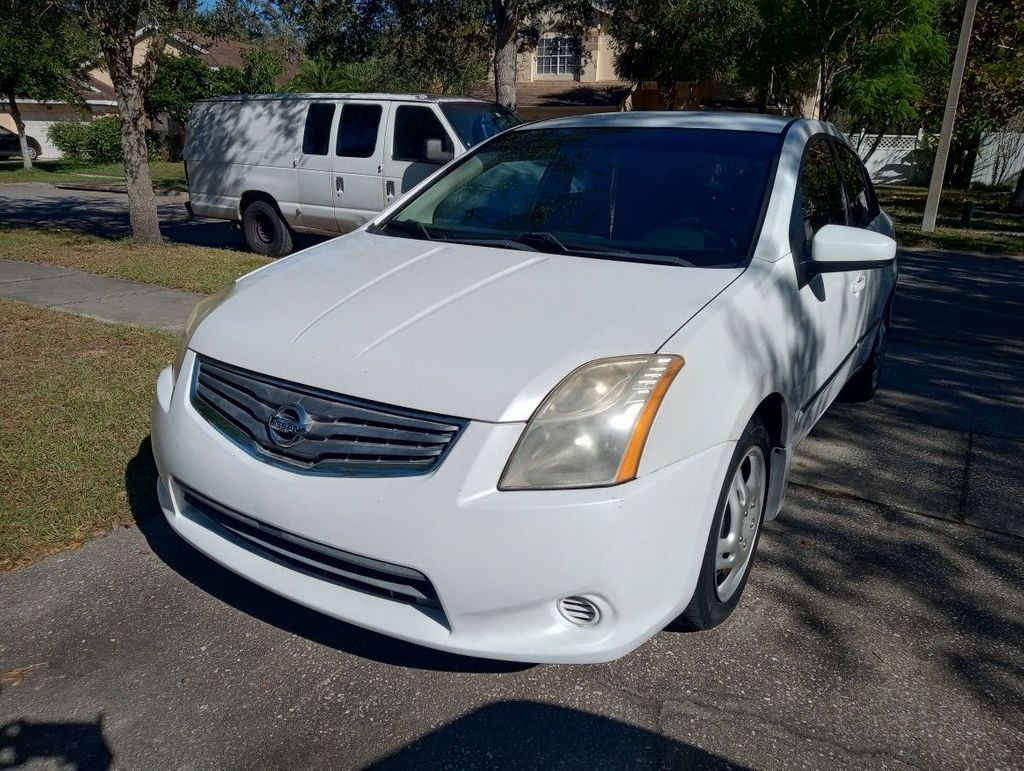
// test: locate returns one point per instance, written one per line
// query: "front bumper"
(499, 560)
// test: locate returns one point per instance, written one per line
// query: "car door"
(863, 211)
(9, 143)
(411, 125)
(314, 168)
(358, 163)
(829, 304)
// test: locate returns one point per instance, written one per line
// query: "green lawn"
(988, 232)
(76, 397)
(179, 266)
(166, 175)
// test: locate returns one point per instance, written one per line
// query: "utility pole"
(931, 208)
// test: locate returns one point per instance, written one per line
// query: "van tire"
(265, 230)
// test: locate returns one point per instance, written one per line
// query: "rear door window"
(357, 132)
(414, 125)
(859, 200)
(316, 137)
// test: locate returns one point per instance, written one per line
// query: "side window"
(859, 200)
(414, 125)
(821, 192)
(316, 137)
(357, 133)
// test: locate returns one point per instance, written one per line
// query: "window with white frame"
(557, 56)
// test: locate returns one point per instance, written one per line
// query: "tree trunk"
(505, 23)
(1017, 201)
(130, 88)
(20, 124)
(667, 89)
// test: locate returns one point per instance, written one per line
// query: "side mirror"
(837, 248)
(434, 152)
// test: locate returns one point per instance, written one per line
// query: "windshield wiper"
(406, 228)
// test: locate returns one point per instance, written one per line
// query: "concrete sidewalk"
(99, 297)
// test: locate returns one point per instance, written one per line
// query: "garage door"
(38, 129)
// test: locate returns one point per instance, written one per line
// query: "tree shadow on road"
(195, 567)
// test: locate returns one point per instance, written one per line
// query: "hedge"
(97, 141)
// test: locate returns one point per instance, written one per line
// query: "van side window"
(859, 200)
(821, 192)
(357, 133)
(316, 137)
(414, 125)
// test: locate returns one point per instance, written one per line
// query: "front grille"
(343, 436)
(364, 574)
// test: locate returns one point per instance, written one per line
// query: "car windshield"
(680, 196)
(476, 121)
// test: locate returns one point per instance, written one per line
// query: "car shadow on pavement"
(529, 735)
(200, 570)
(68, 745)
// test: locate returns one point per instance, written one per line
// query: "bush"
(97, 141)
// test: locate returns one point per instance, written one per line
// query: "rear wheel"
(863, 384)
(33, 152)
(265, 230)
(735, 532)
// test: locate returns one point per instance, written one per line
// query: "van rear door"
(358, 163)
(314, 168)
(405, 165)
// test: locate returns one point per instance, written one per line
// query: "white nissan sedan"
(540, 408)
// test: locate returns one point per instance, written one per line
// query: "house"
(559, 76)
(97, 90)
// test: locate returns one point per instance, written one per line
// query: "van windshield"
(678, 196)
(476, 121)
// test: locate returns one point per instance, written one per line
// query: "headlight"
(591, 429)
(203, 309)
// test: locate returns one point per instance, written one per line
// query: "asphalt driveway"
(882, 627)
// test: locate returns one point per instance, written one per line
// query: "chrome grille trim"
(346, 436)
(373, 576)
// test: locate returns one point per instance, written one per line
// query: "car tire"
(265, 230)
(736, 527)
(863, 384)
(33, 152)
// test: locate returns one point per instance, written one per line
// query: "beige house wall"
(598, 62)
(142, 47)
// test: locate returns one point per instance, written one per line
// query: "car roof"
(732, 121)
(429, 98)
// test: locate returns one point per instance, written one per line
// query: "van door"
(314, 170)
(358, 164)
(405, 165)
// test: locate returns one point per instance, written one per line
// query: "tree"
(322, 75)
(41, 55)
(515, 24)
(116, 22)
(992, 93)
(676, 40)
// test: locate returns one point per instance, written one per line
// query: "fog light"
(579, 611)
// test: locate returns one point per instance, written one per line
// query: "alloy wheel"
(740, 522)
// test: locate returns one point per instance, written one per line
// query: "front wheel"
(265, 230)
(33, 153)
(735, 532)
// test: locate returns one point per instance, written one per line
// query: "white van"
(322, 163)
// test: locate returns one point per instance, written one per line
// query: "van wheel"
(265, 231)
(735, 532)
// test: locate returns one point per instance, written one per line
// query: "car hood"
(473, 332)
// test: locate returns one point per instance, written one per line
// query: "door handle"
(339, 184)
(860, 283)
(389, 189)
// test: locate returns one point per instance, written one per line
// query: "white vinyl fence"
(906, 159)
